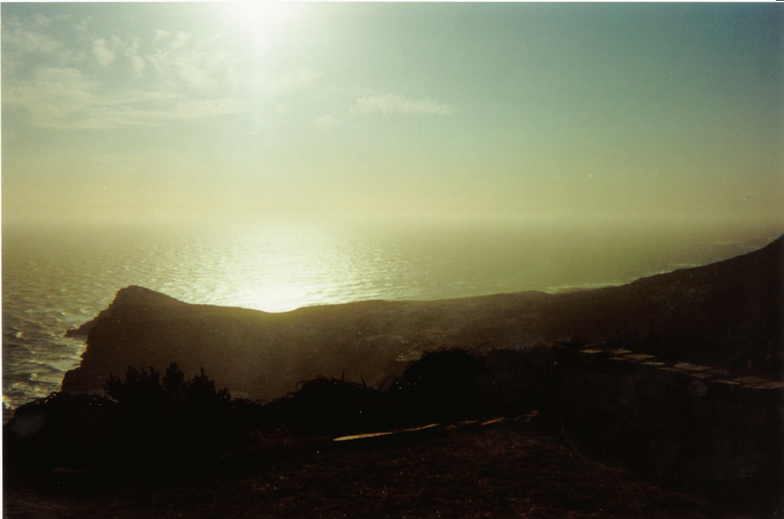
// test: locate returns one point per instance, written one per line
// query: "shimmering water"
(60, 277)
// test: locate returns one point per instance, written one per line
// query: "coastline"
(729, 313)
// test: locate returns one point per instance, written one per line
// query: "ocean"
(58, 277)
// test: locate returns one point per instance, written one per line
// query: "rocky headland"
(729, 315)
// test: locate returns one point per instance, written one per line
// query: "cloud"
(391, 103)
(185, 62)
(102, 53)
(52, 96)
(194, 75)
(161, 36)
(64, 77)
(137, 62)
(62, 98)
(19, 42)
(129, 109)
(181, 41)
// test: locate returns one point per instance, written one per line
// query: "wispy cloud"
(181, 62)
(391, 103)
(52, 96)
(137, 62)
(58, 84)
(104, 55)
(65, 99)
(30, 41)
(80, 79)
(21, 43)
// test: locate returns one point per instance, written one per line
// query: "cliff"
(728, 314)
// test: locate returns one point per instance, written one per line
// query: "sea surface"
(58, 277)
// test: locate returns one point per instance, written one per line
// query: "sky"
(116, 112)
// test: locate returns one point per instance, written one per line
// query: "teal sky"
(244, 112)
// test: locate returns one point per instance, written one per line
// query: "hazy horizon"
(238, 113)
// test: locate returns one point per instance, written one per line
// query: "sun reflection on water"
(274, 269)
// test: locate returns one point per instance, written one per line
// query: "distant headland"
(728, 314)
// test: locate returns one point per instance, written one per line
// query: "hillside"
(727, 314)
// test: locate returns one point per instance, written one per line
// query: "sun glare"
(263, 22)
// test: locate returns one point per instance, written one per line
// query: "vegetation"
(444, 386)
(168, 426)
(182, 425)
(153, 432)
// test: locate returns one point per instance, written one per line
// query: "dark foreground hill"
(501, 473)
(728, 314)
(166, 447)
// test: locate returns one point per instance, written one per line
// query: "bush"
(150, 428)
(60, 430)
(145, 392)
(444, 386)
(331, 407)
(153, 426)
(170, 421)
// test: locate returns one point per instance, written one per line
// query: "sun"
(261, 21)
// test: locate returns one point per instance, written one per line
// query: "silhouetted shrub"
(151, 427)
(170, 421)
(61, 430)
(331, 406)
(444, 386)
(140, 392)
(147, 392)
